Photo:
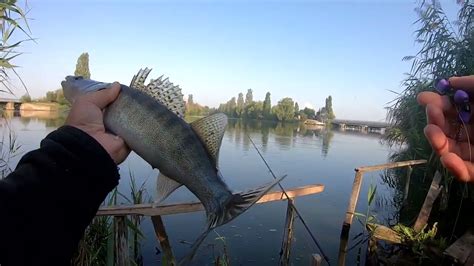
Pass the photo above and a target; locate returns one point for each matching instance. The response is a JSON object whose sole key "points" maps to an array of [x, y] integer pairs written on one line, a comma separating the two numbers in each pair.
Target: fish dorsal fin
{"points": [[162, 90], [165, 186], [138, 81], [211, 130]]}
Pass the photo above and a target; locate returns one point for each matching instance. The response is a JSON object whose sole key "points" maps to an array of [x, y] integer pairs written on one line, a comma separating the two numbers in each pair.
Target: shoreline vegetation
{"points": [[286, 110]]}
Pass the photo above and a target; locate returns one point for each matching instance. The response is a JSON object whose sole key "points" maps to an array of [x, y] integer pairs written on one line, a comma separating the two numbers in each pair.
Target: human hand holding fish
{"points": [[449, 137], [87, 114]]}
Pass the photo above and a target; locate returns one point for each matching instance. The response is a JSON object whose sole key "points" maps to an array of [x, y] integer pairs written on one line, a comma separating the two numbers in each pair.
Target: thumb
{"points": [[104, 97], [465, 82]]}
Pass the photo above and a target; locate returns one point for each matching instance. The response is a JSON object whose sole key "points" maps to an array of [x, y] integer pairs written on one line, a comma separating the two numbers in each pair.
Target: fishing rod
{"points": [[291, 204]]}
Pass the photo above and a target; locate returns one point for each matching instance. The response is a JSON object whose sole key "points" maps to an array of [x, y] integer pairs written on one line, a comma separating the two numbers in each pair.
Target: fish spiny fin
{"points": [[165, 186], [138, 81], [211, 130], [161, 90], [167, 94]]}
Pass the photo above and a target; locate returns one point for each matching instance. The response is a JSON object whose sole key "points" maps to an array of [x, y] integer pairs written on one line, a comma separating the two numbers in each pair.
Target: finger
{"points": [[118, 146], [470, 170], [442, 144], [461, 169], [437, 139], [435, 115], [104, 97], [466, 83], [448, 125], [428, 97]]}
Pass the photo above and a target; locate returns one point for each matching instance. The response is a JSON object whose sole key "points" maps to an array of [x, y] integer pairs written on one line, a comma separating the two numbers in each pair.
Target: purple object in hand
{"points": [[465, 116], [443, 86], [461, 98]]}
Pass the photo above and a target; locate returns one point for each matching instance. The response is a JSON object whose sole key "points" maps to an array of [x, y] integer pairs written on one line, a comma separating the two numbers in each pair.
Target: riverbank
{"points": [[39, 106]]}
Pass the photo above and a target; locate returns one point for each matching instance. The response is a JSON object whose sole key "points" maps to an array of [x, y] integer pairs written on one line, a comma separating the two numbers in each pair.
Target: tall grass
{"points": [[97, 245], [9, 147], [13, 18]]}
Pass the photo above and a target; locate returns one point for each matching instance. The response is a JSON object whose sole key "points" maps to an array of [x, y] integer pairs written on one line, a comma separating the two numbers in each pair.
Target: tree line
{"points": [[285, 110]]}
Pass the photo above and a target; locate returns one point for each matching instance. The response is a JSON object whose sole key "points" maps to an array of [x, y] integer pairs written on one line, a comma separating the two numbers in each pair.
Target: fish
{"points": [[150, 119]]}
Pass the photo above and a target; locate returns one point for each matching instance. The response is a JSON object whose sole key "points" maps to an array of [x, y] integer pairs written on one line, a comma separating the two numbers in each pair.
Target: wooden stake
{"points": [[354, 197], [425, 211], [407, 185], [121, 241], [288, 235], [163, 238], [462, 251], [315, 260]]}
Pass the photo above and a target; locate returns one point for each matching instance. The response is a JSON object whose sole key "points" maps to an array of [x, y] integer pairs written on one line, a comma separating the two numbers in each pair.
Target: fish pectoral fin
{"points": [[210, 131], [239, 203], [165, 186]]}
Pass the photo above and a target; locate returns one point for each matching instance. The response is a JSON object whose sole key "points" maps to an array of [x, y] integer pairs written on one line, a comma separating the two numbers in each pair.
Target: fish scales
{"points": [[186, 159]]}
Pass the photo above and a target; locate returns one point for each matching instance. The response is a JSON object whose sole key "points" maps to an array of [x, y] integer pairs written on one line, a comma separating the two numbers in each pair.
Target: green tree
{"points": [[267, 106], [310, 113], [322, 115], [82, 66], [25, 98], [51, 96], [254, 110], [60, 97], [195, 109], [240, 105], [285, 109], [230, 107], [249, 97], [221, 108], [330, 112], [297, 108]]}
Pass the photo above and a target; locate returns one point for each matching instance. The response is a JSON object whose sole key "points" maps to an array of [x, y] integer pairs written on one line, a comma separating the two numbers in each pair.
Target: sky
{"points": [[306, 50]]}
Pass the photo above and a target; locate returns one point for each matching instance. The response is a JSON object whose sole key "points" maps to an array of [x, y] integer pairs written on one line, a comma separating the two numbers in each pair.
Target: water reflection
{"points": [[51, 119], [285, 135]]}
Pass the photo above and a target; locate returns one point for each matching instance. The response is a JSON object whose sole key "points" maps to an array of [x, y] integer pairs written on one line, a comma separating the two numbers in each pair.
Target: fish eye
{"points": [[78, 78]]}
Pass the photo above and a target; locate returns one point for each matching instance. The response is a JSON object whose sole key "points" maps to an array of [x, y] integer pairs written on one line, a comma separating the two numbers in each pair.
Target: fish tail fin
{"points": [[239, 203]]}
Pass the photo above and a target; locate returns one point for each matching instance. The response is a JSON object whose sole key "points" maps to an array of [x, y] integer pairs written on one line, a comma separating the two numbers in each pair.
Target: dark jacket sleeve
{"points": [[51, 197]]}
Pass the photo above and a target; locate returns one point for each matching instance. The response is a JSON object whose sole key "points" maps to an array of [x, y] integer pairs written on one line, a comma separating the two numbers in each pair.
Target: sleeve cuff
{"points": [[90, 154]]}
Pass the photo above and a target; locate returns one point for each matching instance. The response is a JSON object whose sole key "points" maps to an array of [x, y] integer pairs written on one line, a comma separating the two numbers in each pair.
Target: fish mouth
{"points": [[89, 85]]}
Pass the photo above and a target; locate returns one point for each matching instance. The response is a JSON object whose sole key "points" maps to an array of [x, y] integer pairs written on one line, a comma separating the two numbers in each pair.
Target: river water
{"points": [[307, 155]]}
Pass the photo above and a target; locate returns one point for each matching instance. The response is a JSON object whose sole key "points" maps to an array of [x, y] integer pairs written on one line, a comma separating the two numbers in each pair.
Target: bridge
{"points": [[10, 103], [367, 126]]}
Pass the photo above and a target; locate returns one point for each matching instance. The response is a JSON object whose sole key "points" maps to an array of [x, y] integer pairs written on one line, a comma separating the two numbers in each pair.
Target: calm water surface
{"points": [[306, 155]]}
